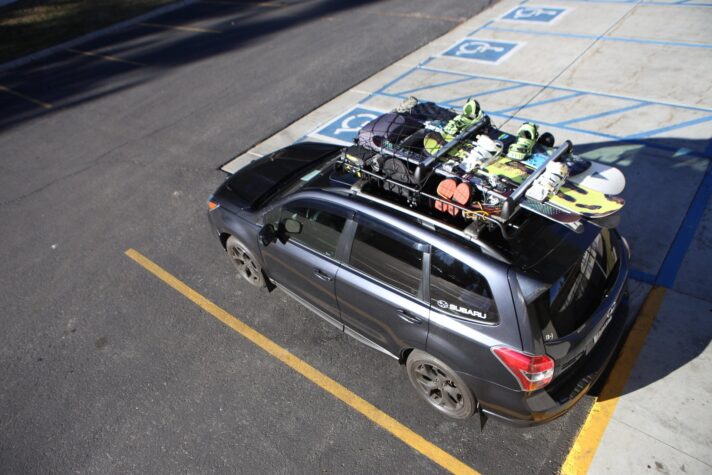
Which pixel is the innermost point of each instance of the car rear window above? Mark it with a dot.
(574, 297)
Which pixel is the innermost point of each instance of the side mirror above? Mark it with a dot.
(292, 226)
(268, 235)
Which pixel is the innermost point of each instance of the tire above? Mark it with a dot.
(245, 263)
(439, 385)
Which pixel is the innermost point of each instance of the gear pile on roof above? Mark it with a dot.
(474, 175)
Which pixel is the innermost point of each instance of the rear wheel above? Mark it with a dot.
(246, 265)
(439, 385)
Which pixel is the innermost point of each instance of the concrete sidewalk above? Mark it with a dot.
(628, 83)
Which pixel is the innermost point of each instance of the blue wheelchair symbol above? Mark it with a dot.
(481, 50)
(345, 127)
(534, 14)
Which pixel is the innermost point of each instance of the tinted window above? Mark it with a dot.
(321, 229)
(459, 290)
(391, 258)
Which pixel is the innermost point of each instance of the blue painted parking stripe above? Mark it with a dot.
(485, 93)
(686, 232)
(602, 38)
(397, 78)
(438, 84)
(561, 88)
(643, 3)
(551, 124)
(623, 140)
(604, 114)
(541, 103)
(661, 130)
(658, 146)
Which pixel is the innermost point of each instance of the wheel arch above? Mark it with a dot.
(223, 239)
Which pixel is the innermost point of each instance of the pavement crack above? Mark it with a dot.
(573, 62)
(661, 441)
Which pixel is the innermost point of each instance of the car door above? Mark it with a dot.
(380, 287)
(306, 263)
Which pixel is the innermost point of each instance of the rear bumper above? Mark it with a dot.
(528, 409)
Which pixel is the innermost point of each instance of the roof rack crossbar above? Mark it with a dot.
(516, 196)
(423, 194)
(426, 219)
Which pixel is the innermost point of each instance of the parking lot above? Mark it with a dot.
(129, 343)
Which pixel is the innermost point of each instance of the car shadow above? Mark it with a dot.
(664, 178)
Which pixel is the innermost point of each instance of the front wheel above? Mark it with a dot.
(439, 385)
(246, 265)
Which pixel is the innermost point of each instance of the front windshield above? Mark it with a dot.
(310, 177)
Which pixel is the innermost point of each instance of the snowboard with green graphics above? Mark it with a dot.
(511, 168)
(532, 150)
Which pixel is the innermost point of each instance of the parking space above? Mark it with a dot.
(627, 96)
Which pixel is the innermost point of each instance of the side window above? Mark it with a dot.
(391, 258)
(459, 290)
(321, 229)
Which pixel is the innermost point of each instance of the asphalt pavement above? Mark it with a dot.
(117, 145)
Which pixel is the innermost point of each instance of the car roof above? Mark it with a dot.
(534, 243)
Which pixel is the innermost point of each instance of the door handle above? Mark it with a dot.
(322, 276)
(406, 317)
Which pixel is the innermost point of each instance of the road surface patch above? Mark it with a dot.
(190, 29)
(104, 57)
(45, 105)
(378, 417)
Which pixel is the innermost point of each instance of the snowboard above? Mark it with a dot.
(596, 176)
(593, 175)
(571, 197)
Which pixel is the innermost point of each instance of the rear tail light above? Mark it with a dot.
(532, 372)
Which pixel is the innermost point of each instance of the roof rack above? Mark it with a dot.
(417, 192)
(470, 233)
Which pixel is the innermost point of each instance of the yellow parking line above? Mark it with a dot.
(380, 418)
(192, 29)
(581, 455)
(239, 2)
(46, 105)
(105, 57)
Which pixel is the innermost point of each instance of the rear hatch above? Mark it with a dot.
(583, 287)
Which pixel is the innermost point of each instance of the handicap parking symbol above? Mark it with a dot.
(534, 14)
(345, 127)
(488, 51)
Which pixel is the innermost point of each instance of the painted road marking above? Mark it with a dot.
(191, 29)
(378, 417)
(581, 455)
(534, 14)
(582, 36)
(344, 128)
(45, 105)
(105, 57)
(241, 2)
(424, 16)
(486, 51)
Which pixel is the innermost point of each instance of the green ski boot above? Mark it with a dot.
(527, 136)
(471, 113)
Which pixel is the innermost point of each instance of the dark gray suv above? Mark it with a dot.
(517, 327)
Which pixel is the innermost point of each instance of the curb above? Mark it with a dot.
(93, 35)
